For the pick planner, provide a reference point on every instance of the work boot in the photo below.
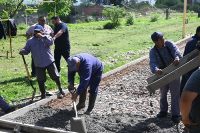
(82, 100)
(176, 118)
(92, 100)
(42, 89)
(162, 114)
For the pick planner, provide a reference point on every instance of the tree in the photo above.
(168, 3)
(11, 7)
(114, 14)
(63, 7)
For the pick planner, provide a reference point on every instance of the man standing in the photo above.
(30, 32)
(190, 46)
(190, 103)
(62, 44)
(39, 46)
(162, 55)
(90, 70)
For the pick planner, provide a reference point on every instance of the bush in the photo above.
(129, 20)
(4, 15)
(114, 14)
(110, 25)
(154, 18)
(22, 26)
(89, 19)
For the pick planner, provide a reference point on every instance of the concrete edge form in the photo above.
(25, 109)
(20, 127)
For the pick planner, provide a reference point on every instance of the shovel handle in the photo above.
(26, 67)
(74, 105)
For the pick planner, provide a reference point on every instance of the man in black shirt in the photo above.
(62, 44)
(190, 103)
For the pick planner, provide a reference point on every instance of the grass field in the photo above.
(114, 47)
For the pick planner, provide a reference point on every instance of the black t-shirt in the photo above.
(62, 42)
(193, 85)
(195, 111)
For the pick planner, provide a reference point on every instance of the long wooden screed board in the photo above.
(172, 72)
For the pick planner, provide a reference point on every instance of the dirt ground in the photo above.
(123, 106)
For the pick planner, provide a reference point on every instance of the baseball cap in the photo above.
(156, 35)
(72, 61)
(38, 28)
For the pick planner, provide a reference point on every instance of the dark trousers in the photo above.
(185, 79)
(33, 72)
(93, 85)
(194, 129)
(41, 77)
(65, 53)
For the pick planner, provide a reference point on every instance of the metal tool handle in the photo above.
(74, 105)
(26, 67)
(29, 78)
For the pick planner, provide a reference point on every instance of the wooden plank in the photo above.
(5, 124)
(171, 67)
(195, 62)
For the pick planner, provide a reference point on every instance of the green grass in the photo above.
(114, 47)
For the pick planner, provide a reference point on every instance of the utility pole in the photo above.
(184, 18)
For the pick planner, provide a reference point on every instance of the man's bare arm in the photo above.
(60, 32)
(187, 98)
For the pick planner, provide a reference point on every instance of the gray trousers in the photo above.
(41, 77)
(52, 71)
(174, 88)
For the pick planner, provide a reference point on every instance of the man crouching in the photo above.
(39, 46)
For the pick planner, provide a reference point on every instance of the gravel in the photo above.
(123, 106)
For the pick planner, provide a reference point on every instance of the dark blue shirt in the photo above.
(190, 46)
(89, 67)
(62, 42)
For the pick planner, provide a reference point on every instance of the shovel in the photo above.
(29, 78)
(77, 123)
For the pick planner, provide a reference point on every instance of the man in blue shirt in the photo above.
(190, 46)
(39, 46)
(62, 44)
(162, 55)
(90, 70)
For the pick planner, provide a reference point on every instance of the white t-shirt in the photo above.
(47, 30)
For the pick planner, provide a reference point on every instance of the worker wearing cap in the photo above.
(190, 46)
(90, 70)
(39, 46)
(190, 103)
(30, 32)
(162, 55)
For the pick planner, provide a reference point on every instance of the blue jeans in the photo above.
(174, 88)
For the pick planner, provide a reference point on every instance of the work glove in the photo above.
(71, 89)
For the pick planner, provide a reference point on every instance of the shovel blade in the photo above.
(78, 125)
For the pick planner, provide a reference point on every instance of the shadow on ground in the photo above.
(21, 80)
